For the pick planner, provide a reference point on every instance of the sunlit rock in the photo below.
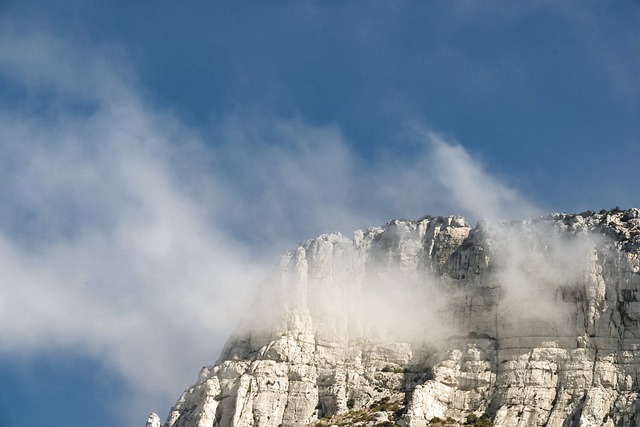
(526, 323)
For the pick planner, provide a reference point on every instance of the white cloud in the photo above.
(471, 188)
(127, 237)
(107, 244)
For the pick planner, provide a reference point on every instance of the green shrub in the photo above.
(351, 403)
(483, 421)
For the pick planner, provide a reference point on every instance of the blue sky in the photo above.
(156, 157)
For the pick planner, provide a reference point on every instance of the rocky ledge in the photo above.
(433, 322)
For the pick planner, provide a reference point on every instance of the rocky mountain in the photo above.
(433, 322)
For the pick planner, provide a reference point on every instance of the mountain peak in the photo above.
(416, 322)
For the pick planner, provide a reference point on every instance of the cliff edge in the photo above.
(433, 322)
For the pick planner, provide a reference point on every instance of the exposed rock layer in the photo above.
(532, 322)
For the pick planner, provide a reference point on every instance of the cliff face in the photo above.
(534, 323)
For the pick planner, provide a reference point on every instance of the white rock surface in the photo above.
(153, 420)
(533, 322)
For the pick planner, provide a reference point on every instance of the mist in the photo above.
(132, 239)
(425, 282)
(540, 266)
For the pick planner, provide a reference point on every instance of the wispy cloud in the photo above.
(109, 245)
(130, 238)
(471, 188)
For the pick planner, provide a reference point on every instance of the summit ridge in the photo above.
(419, 322)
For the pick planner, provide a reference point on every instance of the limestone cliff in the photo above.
(532, 323)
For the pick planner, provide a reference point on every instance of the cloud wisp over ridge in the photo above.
(471, 188)
(130, 237)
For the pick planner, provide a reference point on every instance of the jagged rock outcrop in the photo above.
(534, 323)
(153, 420)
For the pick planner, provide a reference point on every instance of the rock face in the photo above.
(534, 323)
